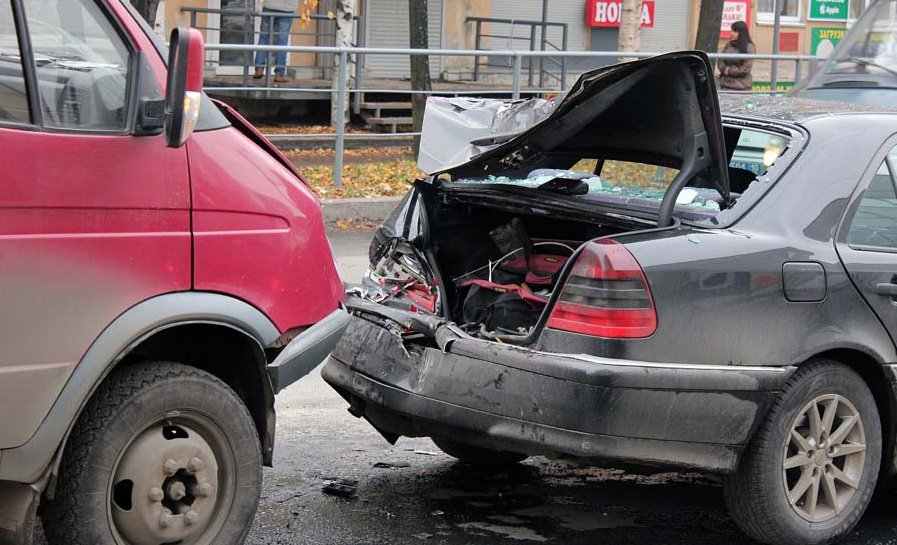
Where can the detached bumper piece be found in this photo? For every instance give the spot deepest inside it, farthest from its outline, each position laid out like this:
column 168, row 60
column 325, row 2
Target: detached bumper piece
column 520, row 400
column 307, row 350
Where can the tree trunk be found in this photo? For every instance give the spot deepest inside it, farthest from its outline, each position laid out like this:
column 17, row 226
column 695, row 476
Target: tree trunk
column 147, row 9
column 345, row 17
column 420, row 64
column 630, row 26
column 709, row 22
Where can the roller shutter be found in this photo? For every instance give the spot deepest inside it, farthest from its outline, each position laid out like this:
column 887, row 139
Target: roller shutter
column 387, row 26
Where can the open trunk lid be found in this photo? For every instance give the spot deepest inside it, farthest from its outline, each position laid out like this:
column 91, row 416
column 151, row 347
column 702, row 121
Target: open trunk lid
column 663, row 110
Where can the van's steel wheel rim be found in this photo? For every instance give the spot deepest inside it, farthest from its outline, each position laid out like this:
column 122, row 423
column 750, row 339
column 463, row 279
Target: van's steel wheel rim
column 172, row 483
column 824, row 457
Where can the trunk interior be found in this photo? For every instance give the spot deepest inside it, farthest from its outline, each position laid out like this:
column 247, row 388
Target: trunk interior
column 496, row 265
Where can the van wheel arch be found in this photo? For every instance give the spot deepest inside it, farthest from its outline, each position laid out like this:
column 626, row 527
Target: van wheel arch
column 176, row 342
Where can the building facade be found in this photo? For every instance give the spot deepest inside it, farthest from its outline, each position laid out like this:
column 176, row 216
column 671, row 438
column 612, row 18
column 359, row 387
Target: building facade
column 807, row 26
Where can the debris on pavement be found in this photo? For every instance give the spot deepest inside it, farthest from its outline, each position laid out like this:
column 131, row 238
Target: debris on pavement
column 390, row 465
column 428, row 453
column 343, row 488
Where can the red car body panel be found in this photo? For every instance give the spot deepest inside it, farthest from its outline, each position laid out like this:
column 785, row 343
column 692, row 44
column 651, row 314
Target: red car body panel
column 102, row 226
column 92, row 225
column 258, row 231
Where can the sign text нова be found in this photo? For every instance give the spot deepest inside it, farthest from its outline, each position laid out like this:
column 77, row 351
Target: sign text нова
column 607, row 13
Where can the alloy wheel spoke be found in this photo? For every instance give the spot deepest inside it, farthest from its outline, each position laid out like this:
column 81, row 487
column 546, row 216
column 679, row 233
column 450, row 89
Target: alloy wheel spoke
column 799, row 441
column 828, row 417
column 813, row 496
column 836, row 473
column 801, row 486
column 815, row 422
column 798, row 460
column 831, row 491
column 847, row 425
column 845, row 449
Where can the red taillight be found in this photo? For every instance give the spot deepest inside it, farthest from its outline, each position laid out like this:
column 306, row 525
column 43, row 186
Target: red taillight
column 605, row 295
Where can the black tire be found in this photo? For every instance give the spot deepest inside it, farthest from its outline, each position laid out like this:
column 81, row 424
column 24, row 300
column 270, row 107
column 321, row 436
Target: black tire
column 757, row 493
column 478, row 456
column 192, row 416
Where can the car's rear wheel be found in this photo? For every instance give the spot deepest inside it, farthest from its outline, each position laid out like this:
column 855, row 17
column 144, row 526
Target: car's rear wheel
column 477, row 455
column 810, row 471
column 163, row 453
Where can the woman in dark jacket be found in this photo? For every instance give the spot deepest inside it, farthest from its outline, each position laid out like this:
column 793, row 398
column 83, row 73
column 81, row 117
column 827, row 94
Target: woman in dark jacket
column 735, row 74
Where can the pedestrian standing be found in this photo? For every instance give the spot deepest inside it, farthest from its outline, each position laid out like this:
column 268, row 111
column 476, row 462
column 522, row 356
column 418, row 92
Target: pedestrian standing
column 276, row 15
column 735, row 74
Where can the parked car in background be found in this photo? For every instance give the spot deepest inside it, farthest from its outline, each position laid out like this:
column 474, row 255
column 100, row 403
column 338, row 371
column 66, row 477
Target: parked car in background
column 164, row 272
column 610, row 284
column 863, row 67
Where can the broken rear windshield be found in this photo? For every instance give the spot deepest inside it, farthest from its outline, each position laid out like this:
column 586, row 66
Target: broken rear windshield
column 640, row 187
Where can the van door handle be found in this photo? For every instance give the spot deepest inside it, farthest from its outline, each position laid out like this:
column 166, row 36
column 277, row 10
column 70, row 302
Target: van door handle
column 886, row 288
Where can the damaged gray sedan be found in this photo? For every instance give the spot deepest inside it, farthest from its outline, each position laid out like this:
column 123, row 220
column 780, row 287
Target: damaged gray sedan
column 647, row 277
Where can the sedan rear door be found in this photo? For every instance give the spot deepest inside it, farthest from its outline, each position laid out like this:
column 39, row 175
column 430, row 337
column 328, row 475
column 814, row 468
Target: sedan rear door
column 867, row 241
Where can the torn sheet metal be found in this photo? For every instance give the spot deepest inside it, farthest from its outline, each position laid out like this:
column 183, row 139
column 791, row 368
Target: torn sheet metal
column 457, row 129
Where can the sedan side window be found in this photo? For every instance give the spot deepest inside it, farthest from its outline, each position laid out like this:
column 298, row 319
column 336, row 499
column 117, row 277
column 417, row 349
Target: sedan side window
column 13, row 100
column 875, row 223
column 81, row 64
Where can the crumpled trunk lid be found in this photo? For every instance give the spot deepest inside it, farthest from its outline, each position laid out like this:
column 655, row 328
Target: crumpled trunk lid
column 662, row 110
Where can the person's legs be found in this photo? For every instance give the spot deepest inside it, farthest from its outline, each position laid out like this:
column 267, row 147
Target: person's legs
column 261, row 57
column 282, row 26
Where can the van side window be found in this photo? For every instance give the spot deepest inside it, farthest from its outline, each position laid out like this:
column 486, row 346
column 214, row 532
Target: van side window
column 13, row 100
column 875, row 223
column 81, row 65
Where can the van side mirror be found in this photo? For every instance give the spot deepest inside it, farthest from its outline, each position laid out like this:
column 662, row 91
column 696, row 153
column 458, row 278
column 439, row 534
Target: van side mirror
column 183, row 90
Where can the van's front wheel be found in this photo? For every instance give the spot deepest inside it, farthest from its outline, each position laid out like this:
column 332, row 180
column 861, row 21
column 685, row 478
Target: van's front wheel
column 812, row 467
column 163, row 453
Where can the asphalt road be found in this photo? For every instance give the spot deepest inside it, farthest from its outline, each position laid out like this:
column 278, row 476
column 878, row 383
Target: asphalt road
column 435, row 500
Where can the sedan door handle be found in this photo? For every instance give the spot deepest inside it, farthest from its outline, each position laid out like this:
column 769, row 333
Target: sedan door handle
column 886, row 288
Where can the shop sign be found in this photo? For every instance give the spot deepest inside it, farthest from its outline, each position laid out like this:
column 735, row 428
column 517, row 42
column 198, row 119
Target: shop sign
column 824, row 40
column 607, row 13
column 733, row 11
column 828, row 10
column 766, row 87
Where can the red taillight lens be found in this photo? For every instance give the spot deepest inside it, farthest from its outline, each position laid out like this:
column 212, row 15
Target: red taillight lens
column 605, row 295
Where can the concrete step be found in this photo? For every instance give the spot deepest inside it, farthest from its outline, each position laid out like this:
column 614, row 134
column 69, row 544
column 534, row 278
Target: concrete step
column 392, row 123
column 385, row 105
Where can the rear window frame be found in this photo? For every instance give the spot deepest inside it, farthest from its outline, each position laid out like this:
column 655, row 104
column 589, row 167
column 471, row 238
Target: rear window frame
column 797, row 139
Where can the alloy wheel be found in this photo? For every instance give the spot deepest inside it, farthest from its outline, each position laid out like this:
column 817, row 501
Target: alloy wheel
column 823, row 457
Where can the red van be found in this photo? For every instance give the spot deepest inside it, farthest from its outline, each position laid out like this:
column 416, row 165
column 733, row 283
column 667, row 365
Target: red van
column 163, row 273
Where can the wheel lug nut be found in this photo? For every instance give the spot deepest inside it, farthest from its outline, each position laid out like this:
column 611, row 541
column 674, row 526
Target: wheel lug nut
column 205, row 490
column 156, row 494
column 195, row 465
column 191, row 517
column 166, row 519
column 170, row 467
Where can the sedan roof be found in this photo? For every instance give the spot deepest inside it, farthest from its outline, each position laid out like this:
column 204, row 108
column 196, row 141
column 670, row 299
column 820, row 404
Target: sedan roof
column 790, row 109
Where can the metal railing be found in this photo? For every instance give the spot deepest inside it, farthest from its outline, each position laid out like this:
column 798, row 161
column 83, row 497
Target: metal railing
column 322, row 38
column 542, row 41
column 515, row 89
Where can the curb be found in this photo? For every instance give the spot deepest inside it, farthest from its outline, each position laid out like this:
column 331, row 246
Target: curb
column 372, row 209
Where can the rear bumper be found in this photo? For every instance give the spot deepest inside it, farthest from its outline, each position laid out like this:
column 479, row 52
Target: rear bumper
column 515, row 399
column 307, row 350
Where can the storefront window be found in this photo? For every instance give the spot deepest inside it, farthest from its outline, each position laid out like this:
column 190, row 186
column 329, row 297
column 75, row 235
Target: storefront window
column 789, row 9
